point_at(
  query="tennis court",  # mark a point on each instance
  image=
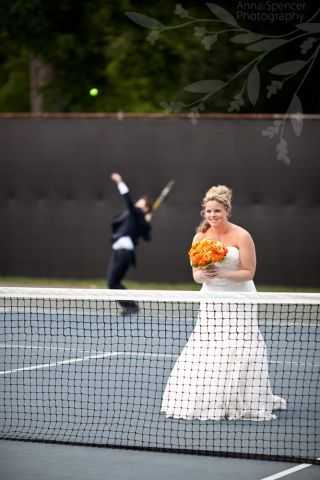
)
(75, 370)
(161, 148)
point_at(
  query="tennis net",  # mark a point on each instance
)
(217, 374)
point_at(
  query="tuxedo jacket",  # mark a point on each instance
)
(131, 223)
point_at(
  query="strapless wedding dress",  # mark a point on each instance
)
(222, 372)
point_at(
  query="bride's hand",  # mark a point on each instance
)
(215, 272)
(211, 271)
(200, 275)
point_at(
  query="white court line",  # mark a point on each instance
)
(84, 359)
(298, 364)
(314, 325)
(37, 347)
(284, 473)
(44, 347)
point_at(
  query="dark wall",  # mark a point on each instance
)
(56, 199)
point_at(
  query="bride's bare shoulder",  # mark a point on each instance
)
(198, 236)
(240, 232)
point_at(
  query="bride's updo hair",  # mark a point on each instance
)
(219, 193)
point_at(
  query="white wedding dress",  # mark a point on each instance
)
(222, 372)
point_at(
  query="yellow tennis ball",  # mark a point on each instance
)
(93, 92)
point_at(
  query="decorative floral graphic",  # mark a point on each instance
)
(208, 30)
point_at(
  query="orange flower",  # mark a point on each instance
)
(204, 252)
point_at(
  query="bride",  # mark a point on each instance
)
(222, 372)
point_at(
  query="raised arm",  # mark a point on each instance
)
(123, 190)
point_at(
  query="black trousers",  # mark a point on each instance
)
(120, 262)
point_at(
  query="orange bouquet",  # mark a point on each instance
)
(205, 252)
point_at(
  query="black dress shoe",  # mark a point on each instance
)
(128, 310)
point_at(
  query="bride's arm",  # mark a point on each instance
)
(247, 267)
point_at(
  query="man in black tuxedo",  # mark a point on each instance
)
(127, 229)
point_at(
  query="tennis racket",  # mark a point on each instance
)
(163, 195)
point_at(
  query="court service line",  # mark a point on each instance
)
(36, 347)
(298, 364)
(45, 347)
(65, 349)
(84, 359)
(287, 472)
